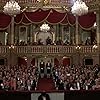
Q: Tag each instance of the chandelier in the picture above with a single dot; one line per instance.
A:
(78, 47)
(45, 27)
(12, 8)
(79, 8)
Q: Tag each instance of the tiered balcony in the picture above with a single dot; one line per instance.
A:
(49, 49)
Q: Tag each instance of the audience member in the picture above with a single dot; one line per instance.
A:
(44, 96)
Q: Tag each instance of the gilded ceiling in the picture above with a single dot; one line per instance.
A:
(46, 4)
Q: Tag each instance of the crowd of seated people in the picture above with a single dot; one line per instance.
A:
(22, 78)
(18, 78)
(77, 77)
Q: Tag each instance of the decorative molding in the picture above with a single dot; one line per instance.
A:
(47, 4)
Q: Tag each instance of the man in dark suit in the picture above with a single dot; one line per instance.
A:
(48, 41)
(42, 68)
(42, 65)
(48, 68)
(44, 96)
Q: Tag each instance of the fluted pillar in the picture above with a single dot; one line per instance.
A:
(12, 31)
(31, 33)
(77, 31)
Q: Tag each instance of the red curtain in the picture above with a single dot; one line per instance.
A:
(5, 20)
(18, 19)
(55, 17)
(21, 61)
(71, 19)
(88, 20)
(37, 16)
(51, 16)
(66, 61)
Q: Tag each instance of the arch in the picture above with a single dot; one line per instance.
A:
(43, 36)
(66, 61)
(22, 61)
(39, 34)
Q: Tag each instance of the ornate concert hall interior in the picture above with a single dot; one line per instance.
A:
(49, 45)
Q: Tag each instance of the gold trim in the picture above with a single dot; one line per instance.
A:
(40, 21)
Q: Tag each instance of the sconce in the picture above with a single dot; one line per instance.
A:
(78, 47)
(11, 47)
(95, 46)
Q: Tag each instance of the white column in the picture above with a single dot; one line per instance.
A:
(53, 37)
(31, 31)
(35, 37)
(77, 32)
(12, 31)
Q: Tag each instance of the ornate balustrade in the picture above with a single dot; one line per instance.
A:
(29, 49)
(50, 49)
(88, 49)
(4, 49)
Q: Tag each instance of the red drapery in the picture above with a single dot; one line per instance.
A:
(21, 61)
(51, 16)
(88, 20)
(66, 61)
(5, 21)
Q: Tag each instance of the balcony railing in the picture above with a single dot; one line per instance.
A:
(88, 49)
(4, 49)
(49, 49)
(45, 49)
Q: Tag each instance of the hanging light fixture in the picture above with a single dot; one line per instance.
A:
(45, 27)
(79, 8)
(12, 8)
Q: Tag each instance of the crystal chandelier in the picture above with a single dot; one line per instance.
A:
(45, 27)
(12, 8)
(79, 8)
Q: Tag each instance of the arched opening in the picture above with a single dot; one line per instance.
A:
(22, 61)
(66, 61)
